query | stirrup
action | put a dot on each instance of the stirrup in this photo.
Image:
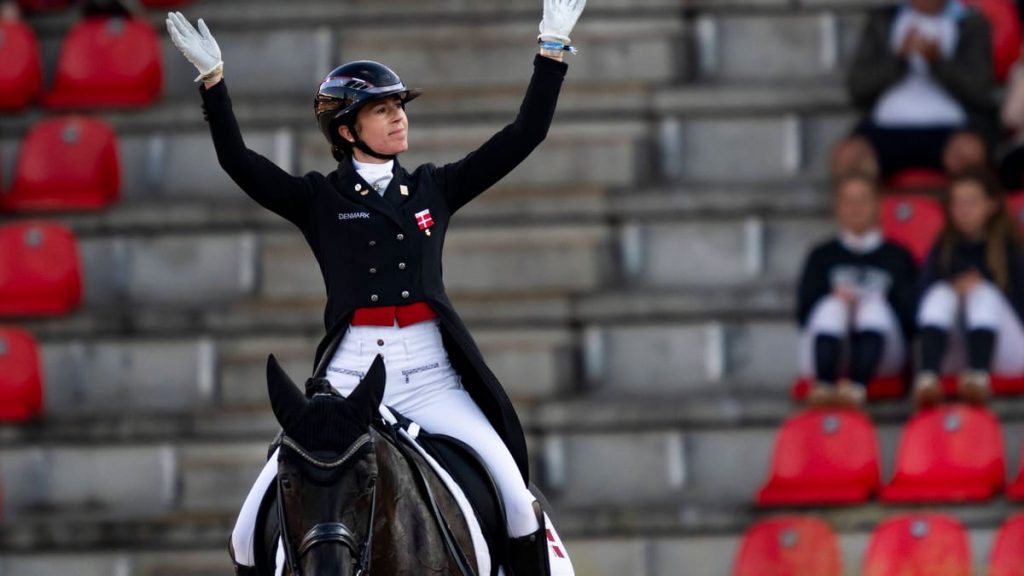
(528, 555)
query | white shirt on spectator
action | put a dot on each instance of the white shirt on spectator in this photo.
(918, 100)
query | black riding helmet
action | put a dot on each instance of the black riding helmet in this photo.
(345, 91)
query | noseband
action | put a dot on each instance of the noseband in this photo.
(328, 532)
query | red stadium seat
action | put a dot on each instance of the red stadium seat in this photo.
(1007, 558)
(1015, 206)
(823, 457)
(1004, 26)
(881, 388)
(788, 546)
(21, 382)
(21, 72)
(66, 163)
(43, 5)
(40, 273)
(953, 453)
(108, 62)
(913, 221)
(918, 545)
(916, 179)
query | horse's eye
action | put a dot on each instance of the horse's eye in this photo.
(286, 482)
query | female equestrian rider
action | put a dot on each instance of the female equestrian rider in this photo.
(377, 231)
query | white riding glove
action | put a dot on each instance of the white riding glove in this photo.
(198, 46)
(559, 18)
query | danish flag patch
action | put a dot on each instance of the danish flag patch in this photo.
(424, 220)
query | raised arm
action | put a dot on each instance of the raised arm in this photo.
(466, 179)
(264, 181)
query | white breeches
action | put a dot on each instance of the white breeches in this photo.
(834, 317)
(984, 307)
(423, 386)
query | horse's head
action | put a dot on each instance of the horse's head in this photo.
(327, 470)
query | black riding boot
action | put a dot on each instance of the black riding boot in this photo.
(528, 555)
(244, 570)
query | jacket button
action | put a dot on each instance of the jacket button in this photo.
(373, 270)
(373, 242)
(380, 342)
(401, 265)
(405, 293)
(374, 298)
(400, 237)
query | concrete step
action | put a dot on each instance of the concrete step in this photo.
(774, 46)
(748, 148)
(675, 357)
(186, 271)
(721, 252)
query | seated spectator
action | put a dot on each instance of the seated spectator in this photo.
(973, 301)
(9, 10)
(922, 76)
(856, 301)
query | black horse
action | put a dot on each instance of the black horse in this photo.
(350, 498)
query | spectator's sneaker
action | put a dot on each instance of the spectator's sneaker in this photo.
(851, 395)
(927, 390)
(975, 387)
(822, 394)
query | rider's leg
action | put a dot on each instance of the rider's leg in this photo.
(244, 534)
(454, 413)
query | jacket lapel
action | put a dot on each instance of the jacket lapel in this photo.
(352, 186)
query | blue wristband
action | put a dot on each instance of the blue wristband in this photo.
(558, 46)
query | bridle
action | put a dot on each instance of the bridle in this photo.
(328, 532)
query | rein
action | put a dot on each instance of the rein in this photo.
(328, 532)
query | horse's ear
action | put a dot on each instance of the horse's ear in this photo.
(287, 401)
(370, 391)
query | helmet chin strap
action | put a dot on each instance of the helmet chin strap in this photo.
(365, 148)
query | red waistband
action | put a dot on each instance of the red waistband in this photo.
(387, 315)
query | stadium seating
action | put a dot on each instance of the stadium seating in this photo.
(21, 75)
(952, 453)
(68, 163)
(913, 221)
(788, 546)
(107, 62)
(1007, 557)
(40, 273)
(1004, 23)
(823, 457)
(1015, 205)
(21, 382)
(918, 545)
(881, 388)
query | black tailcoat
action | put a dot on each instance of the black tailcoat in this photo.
(372, 251)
